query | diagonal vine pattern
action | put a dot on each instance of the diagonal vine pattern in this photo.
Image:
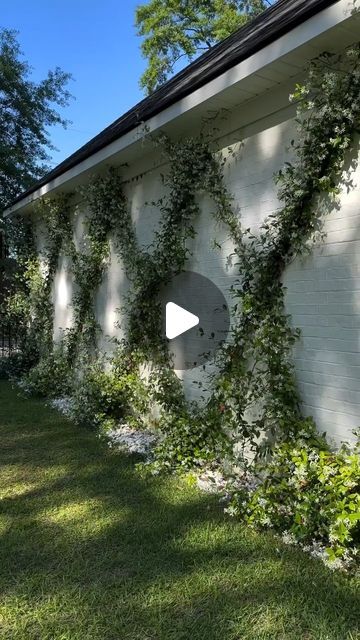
(253, 396)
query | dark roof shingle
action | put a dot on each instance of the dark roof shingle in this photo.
(266, 28)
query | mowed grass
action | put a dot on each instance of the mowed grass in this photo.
(90, 551)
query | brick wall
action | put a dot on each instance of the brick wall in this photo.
(323, 290)
(324, 300)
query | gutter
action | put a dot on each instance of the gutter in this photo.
(273, 23)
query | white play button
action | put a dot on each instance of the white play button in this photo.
(178, 320)
(196, 322)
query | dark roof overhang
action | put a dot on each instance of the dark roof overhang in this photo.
(273, 23)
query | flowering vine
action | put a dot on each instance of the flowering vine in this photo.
(253, 392)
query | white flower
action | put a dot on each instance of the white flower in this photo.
(288, 538)
(23, 385)
(334, 564)
(285, 510)
(313, 456)
(317, 550)
(63, 405)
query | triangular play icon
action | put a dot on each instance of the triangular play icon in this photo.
(178, 320)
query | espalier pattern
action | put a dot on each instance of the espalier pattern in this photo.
(251, 397)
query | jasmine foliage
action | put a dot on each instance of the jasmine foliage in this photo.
(328, 116)
(52, 375)
(105, 207)
(110, 392)
(311, 493)
(317, 506)
(253, 396)
(29, 305)
(191, 436)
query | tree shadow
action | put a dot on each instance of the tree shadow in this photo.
(142, 557)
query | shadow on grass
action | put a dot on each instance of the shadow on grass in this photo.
(91, 550)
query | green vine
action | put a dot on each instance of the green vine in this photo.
(29, 306)
(303, 489)
(257, 368)
(105, 203)
(254, 390)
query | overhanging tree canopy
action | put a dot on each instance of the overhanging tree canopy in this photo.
(176, 29)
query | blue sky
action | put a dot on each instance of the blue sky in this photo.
(96, 42)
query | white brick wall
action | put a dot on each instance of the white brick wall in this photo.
(323, 294)
(324, 300)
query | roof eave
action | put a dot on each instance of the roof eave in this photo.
(242, 56)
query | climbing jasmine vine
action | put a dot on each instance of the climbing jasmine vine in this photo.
(253, 397)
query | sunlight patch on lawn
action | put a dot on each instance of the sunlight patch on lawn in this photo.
(87, 517)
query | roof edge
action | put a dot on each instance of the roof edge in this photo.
(273, 23)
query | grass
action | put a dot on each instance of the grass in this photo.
(90, 551)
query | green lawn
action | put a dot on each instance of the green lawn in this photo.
(91, 551)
